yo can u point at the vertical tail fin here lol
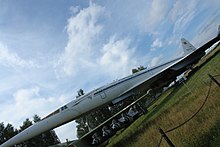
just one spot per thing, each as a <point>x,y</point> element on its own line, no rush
<point>187,47</point>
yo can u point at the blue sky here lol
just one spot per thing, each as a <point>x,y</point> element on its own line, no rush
<point>50,49</point>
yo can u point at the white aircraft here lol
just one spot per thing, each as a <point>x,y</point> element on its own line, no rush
<point>155,78</point>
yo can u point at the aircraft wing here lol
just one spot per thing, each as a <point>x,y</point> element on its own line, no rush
<point>169,74</point>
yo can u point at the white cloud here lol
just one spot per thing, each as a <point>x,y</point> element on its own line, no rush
<point>157,12</point>
<point>155,61</point>
<point>32,101</point>
<point>87,51</point>
<point>153,49</point>
<point>152,16</point>
<point>117,56</point>
<point>207,30</point>
<point>74,9</point>
<point>182,14</point>
<point>8,58</point>
<point>82,30</point>
<point>157,43</point>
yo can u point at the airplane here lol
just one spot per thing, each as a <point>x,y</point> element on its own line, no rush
<point>155,78</point>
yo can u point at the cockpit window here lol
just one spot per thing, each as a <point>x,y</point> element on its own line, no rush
<point>63,108</point>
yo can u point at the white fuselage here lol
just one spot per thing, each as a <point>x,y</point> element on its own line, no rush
<point>85,104</point>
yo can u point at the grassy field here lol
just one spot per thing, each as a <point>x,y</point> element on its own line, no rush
<point>174,107</point>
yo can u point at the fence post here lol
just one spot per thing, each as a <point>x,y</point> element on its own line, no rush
<point>166,137</point>
<point>214,80</point>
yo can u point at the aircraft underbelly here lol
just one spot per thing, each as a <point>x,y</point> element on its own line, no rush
<point>193,58</point>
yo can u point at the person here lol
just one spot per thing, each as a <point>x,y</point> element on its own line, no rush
<point>96,139</point>
<point>132,112</point>
<point>105,132</point>
<point>124,119</point>
<point>115,125</point>
<point>80,92</point>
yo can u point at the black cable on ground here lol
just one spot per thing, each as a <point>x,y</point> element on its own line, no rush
<point>161,138</point>
<point>216,75</point>
<point>194,113</point>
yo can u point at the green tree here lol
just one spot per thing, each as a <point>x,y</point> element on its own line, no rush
<point>93,119</point>
<point>135,70</point>
<point>2,127</point>
<point>6,132</point>
<point>27,123</point>
<point>43,140</point>
<point>82,127</point>
<point>36,118</point>
<point>47,138</point>
<point>9,131</point>
<point>31,142</point>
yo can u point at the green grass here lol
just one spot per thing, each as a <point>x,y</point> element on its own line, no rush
<point>174,107</point>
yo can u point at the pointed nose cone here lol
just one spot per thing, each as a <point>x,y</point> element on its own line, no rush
<point>22,136</point>
<point>52,121</point>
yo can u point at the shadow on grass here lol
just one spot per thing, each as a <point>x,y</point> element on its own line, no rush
<point>162,103</point>
<point>147,122</point>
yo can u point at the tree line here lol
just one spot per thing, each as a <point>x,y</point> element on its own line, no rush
<point>43,140</point>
